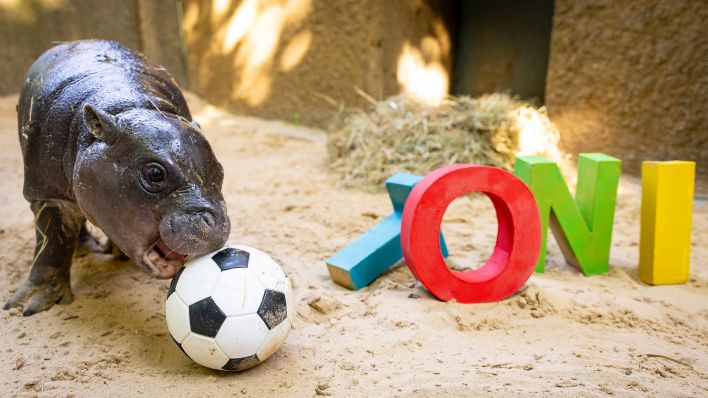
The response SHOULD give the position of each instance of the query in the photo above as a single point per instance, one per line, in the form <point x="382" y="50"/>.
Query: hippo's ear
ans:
<point x="195" y="125"/>
<point x="100" y="124"/>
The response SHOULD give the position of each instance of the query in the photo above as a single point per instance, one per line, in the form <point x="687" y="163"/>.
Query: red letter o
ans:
<point x="518" y="236"/>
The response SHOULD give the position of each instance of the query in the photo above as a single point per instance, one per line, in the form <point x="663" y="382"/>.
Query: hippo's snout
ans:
<point x="197" y="231"/>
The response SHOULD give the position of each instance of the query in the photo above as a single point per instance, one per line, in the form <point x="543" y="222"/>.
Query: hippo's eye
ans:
<point x="154" y="177"/>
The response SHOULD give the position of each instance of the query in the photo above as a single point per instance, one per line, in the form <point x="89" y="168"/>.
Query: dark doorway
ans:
<point x="502" y="45"/>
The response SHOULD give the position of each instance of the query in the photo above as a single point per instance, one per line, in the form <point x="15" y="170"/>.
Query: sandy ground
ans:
<point x="564" y="334"/>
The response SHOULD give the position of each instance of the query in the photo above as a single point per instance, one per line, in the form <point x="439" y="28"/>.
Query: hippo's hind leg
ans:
<point x="58" y="225"/>
<point x="117" y="253"/>
<point x="90" y="244"/>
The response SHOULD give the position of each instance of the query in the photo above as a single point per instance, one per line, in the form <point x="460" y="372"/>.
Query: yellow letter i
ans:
<point x="665" y="239"/>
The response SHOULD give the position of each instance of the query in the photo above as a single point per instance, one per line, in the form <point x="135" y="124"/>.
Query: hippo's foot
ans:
<point x="90" y="244"/>
<point x="37" y="297"/>
<point x="117" y="253"/>
<point x="57" y="225"/>
<point x="94" y="246"/>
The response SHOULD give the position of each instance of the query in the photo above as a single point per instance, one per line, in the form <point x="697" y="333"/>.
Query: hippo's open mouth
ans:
<point x="161" y="261"/>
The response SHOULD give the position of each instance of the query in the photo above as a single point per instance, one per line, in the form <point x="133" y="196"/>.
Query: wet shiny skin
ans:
<point x="107" y="137"/>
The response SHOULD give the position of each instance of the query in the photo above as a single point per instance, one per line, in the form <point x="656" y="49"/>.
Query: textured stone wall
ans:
<point x="30" y="27"/>
<point x="630" y="78"/>
<point x="298" y="60"/>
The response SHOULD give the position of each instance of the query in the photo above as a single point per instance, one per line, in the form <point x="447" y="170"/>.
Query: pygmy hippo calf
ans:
<point x="107" y="137"/>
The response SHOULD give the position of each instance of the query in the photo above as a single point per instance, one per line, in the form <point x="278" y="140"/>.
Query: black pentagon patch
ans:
<point x="231" y="258"/>
<point x="239" y="364"/>
<point x="173" y="284"/>
<point x="273" y="308"/>
<point x="205" y="317"/>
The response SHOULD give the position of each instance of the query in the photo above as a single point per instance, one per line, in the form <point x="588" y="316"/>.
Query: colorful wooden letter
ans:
<point x="363" y="260"/>
<point x="665" y="239"/>
<point x="582" y="227"/>
<point x="518" y="236"/>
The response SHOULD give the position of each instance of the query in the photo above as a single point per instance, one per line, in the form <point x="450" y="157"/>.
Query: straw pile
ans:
<point x="403" y="135"/>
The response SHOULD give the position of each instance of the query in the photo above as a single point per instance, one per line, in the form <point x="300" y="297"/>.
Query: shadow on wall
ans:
<point x="298" y="60"/>
<point x="30" y="27"/>
<point x="423" y="68"/>
<point x="247" y="37"/>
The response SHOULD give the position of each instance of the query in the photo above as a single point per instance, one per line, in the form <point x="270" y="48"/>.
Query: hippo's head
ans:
<point x="151" y="182"/>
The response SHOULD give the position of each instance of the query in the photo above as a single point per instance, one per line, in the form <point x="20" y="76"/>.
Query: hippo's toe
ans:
<point x="37" y="297"/>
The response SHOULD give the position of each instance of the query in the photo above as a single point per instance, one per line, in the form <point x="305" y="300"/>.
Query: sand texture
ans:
<point x="563" y="334"/>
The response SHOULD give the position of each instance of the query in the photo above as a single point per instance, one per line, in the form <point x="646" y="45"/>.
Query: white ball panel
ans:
<point x="289" y="300"/>
<point x="177" y="315"/>
<point x="238" y="292"/>
<point x="267" y="270"/>
<point x="204" y="351"/>
<point x="275" y="339"/>
<point x="251" y="250"/>
<point x="241" y="336"/>
<point x="193" y="290"/>
<point x="202" y="268"/>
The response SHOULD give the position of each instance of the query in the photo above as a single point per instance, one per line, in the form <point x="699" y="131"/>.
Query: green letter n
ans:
<point x="582" y="226"/>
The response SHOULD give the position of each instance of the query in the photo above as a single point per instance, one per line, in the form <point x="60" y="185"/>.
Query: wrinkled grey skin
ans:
<point x="107" y="137"/>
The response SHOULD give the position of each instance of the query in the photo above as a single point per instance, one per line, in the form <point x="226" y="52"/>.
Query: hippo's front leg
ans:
<point x="58" y="224"/>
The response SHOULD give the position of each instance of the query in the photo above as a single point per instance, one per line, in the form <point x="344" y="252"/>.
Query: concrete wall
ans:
<point x="297" y="59"/>
<point x="626" y="78"/>
<point x="630" y="78"/>
<point x="502" y="45"/>
<point x="30" y="27"/>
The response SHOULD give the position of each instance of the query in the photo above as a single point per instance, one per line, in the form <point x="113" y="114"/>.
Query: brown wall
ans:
<point x="287" y="59"/>
<point x="30" y="27"/>
<point x="626" y="78"/>
<point x="630" y="78"/>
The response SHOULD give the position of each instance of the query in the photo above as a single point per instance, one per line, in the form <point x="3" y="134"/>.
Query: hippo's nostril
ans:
<point x="208" y="219"/>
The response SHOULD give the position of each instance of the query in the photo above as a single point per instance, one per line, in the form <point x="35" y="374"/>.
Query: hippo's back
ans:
<point x="105" y="74"/>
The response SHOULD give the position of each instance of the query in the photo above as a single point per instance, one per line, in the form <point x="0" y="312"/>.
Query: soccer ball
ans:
<point x="230" y="309"/>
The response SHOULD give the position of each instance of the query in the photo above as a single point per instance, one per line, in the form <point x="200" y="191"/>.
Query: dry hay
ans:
<point x="401" y="134"/>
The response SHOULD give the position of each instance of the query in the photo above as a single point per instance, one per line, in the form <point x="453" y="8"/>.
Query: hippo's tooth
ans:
<point x="154" y="257"/>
